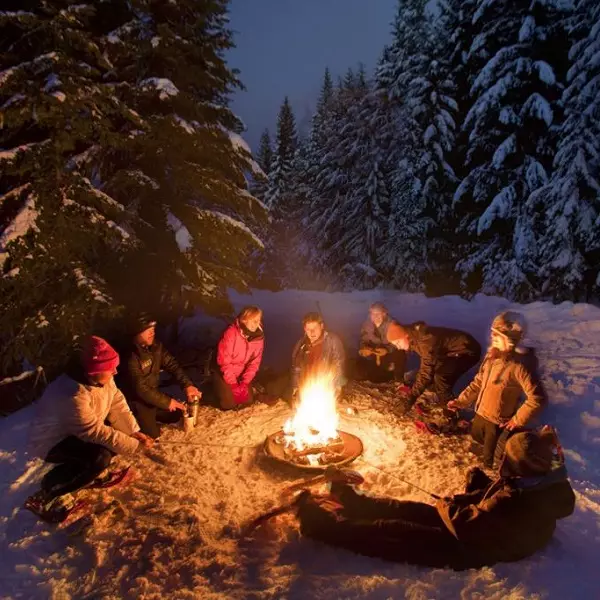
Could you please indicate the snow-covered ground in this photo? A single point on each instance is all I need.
(174, 531)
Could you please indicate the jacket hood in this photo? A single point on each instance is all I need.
(551, 493)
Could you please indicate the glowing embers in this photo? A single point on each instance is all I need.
(310, 438)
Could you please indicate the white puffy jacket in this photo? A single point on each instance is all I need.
(69, 407)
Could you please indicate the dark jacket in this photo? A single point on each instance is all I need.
(502, 380)
(510, 518)
(493, 521)
(376, 337)
(331, 357)
(434, 345)
(143, 365)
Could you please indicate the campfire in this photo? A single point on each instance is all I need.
(310, 438)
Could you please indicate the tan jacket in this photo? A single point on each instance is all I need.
(70, 407)
(499, 385)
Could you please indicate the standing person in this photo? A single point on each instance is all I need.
(238, 358)
(318, 351)
(144, 362)
(379, 360)
(507, 373)
(505, 519)
(444, 355)
(82, 420)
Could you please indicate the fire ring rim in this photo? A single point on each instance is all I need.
(348, 438)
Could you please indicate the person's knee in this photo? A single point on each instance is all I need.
(102, 459)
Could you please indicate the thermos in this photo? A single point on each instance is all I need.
(192, 409)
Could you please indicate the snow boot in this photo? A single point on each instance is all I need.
(54, 510)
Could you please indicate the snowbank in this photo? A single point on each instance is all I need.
(173, 533)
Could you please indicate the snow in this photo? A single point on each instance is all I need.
(174, 531)
(11, 154)
(165, 86)
(182, 235)
(23, 222)
(60, 96)
(219, 216)
(545, 72)
(185, 125)
(86, 282)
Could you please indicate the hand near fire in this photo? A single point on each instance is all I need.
(146, 442)
(365, 351)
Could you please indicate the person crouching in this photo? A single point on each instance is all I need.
(238, 357)
(82, 420)
(144, 361)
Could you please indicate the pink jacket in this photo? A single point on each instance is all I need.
(237, 357)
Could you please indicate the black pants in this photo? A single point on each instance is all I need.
(492, 438)
(368, 369)
(79, 463)
(411, 532)
(224, 393)
(148, 417)
(448, 371)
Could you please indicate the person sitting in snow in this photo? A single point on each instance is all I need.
(444, 355)
(318, 351)
(144, 361)
(378, 359)
(238, 357)
(495, 520)
(506, 374)
(82, 420)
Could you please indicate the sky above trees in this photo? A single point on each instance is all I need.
(283, 47)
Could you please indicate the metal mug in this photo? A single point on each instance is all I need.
(188, 424)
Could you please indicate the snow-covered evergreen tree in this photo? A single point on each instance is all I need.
(567, 209)
(280, 177)
(264, 158)
(122, 177)
(511, 140)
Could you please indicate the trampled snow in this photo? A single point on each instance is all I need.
(174, 531)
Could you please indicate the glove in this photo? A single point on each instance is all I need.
(241, 393)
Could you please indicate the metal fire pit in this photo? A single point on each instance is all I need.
(340, 452)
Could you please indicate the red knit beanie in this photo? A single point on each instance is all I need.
(98, 356)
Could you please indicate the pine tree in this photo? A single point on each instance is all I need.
(119, 141)
(265, 152)
(264, 159)
(568, 207)
(278, 195)
(511, 140)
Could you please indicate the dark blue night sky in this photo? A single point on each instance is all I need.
(283, 47)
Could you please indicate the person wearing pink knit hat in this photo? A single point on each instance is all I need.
(82, 420)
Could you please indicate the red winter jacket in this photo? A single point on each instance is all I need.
(238, 356)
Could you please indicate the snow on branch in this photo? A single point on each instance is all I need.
(226, 219)
(11, 154)
(24, 375)
(23, 222)
(185, 125)
(86, 282)
(499, 208)
(164, 86)
(182, 234)
(84, 157)
(7, 73)
(537, 106)
(99, 194)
